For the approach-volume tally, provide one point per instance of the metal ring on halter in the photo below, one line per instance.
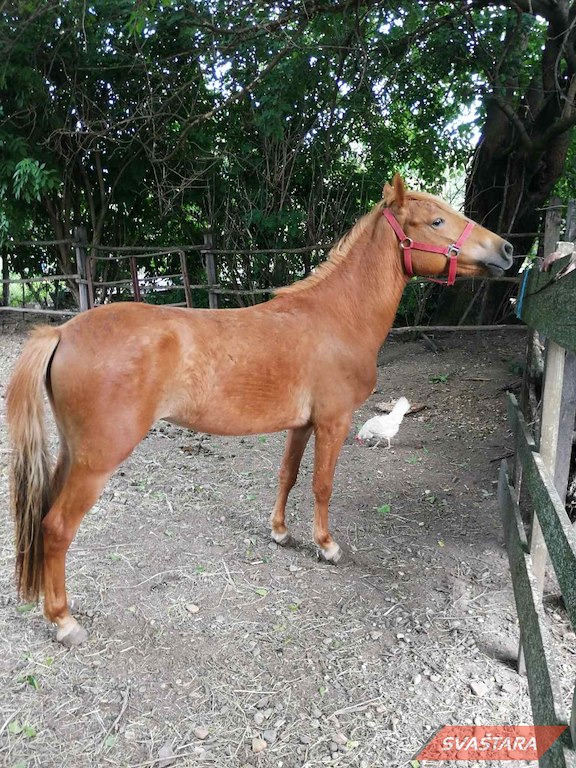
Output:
(453, 250)
(407, 242)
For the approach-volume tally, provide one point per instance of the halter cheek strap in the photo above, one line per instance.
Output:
(407, 244)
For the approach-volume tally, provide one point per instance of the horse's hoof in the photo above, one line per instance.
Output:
(71, 634)
(281, 538)
(332, 553)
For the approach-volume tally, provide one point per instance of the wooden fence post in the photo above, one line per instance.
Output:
(552, 404)
(135, 281)
(185, 279)
(558, 406)
(566, 424)
(571, 221)
(81, 242)
(211, 269)
(538, 549)
(5, 277)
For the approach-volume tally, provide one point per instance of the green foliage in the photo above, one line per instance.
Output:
(31, 178)
(26, 607)
(273, 125)
(31, 680)
(20, 728)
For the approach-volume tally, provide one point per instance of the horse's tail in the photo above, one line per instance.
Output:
(30, 465)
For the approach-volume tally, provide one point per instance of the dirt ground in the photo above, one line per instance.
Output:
(210, 645)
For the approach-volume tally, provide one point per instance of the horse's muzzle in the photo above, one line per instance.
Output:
(507, 250)
(502, 261)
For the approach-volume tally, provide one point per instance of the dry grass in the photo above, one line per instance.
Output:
(197, 621)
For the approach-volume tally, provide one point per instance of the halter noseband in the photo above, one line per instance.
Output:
(407, 244)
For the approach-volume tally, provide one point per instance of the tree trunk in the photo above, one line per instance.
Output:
(525, 138)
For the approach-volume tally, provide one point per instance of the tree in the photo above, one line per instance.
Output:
(89, 108)
(275, 125)
(529, 112)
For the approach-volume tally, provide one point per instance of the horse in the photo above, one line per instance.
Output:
(302, 362)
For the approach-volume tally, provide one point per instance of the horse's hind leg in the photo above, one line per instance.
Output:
(80, 489)
(61, 470)
(295, 445)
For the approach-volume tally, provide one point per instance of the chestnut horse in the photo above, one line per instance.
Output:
(303, 361)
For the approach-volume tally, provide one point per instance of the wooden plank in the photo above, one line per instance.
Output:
(569, 756)
(555, 524)
(186, 279)
(545, 694)
(556, 527)
(519, 428)
(41, 279)
(551, 404)
(516, 419)
(529, 360)
(566, 426)
(549, 305)
(135, 279)
(5, 276)
(552, 225)
(525, 447)
(570, 233)
(454, 328)
(518, 422)
(65, 313)
(520, 431)
(83, 267)
(561, 540)
(573, 719)
(211, 270)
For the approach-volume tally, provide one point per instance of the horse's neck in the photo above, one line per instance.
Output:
(366, 288)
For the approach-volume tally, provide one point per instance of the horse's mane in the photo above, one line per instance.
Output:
(345, 245)
(338, 253)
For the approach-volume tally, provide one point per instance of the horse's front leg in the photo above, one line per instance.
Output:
(329, 439)
(296, 442)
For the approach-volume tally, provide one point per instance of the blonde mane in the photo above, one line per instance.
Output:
(338, 253)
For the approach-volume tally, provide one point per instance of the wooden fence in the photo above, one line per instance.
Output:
(87, 284)
(532, 494)
(88, 258)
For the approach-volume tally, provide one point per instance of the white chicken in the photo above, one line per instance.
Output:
(386, 426)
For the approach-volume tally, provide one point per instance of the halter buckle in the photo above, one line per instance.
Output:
(407, 242)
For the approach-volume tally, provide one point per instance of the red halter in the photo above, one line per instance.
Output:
(407, 244)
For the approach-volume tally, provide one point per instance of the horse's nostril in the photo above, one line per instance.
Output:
(507, 249)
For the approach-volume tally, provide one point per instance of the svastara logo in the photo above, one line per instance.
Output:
(491, 742)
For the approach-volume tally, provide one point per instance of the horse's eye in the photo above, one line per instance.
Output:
(437, 222)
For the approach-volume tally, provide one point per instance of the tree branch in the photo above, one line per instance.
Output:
(543, 8)
(508, 110)
(565, 122)
(274, 61)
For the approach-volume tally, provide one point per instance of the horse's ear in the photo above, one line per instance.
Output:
(388, 194)
(399, 190)
(395, 193)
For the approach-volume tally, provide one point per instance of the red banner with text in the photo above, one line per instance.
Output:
(491, 742)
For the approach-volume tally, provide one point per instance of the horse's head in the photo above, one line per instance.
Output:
(437, 240)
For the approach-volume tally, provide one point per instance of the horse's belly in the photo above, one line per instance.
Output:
(244, 413)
